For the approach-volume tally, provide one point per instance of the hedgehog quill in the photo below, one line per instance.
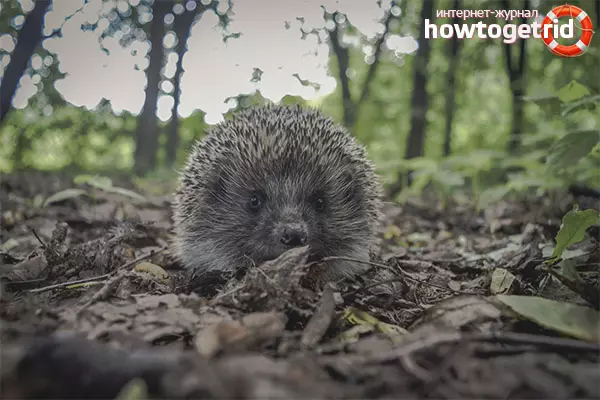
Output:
(273, 178)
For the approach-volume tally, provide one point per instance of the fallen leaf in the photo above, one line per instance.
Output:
(250, 332)
(125, 192)
(321, 320)
(64, 195)
(359, 317)
(567, 318)
(153, 270)
(502, 280)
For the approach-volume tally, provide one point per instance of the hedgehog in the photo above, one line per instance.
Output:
(272, 178)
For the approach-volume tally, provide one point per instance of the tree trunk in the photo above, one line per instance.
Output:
(28, 39)
(343, 61)
(516, 76)
(183, 25)
(351, 108)
(597, 12)
(451, 79)
(146, 138)
(420, 99)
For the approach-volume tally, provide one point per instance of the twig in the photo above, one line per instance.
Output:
(38, 238)
(376, 55)
(404, 273)
(221, 295)
(141, 258)
(500, 337)
(99, 277)
(65, 284)
(104, 292)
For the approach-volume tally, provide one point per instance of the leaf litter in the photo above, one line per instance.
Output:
(460, 304)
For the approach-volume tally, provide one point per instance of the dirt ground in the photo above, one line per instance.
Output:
(92, 305)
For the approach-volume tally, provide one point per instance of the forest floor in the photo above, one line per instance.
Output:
(92, 305)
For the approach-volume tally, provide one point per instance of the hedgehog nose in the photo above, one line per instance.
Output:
(293, 235)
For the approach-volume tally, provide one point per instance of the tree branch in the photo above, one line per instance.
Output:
(28, 39)
(378, 48)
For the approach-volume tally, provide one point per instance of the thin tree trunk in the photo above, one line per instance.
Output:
(451, 79)
(183, 25)
(516, 78)
(146, 139)
(343, 61)
(351, 108)
(420, 98)
(597, 12)
(28, 39)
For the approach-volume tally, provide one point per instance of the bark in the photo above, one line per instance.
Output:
(376, 55)
(516, 76)
(183, 25)
(453, 58)
(597, 12)
(420, 98)
(146, 140)
(343, 60)
(28, 39)
(351, 107)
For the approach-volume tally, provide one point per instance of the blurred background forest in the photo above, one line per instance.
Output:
(123, 87)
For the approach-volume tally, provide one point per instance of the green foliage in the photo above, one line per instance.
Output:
(551, 158)
(570, 319)
(572, 91)
(571, 148)
(573, 227)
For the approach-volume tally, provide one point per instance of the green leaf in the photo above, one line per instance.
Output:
(135, 389)
(64, 195)
(573, 227)
(492, 195)
(100, 182)
(567, 318)
(571, 148)
(587, 101)
(359, 317)
(572, 91)
(124, 192)
(81, 179)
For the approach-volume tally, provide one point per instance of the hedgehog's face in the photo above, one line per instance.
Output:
(285, 205)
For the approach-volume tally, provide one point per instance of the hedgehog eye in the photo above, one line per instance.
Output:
(255, 202)
(319, 203)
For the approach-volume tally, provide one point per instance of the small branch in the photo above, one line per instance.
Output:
(65, 284)
(497, 337)
(38, 238)
(378, 48)
(99, 277)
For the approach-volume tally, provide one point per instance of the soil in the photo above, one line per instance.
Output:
(94, 306)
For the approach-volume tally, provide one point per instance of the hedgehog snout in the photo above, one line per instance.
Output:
(292, 234)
